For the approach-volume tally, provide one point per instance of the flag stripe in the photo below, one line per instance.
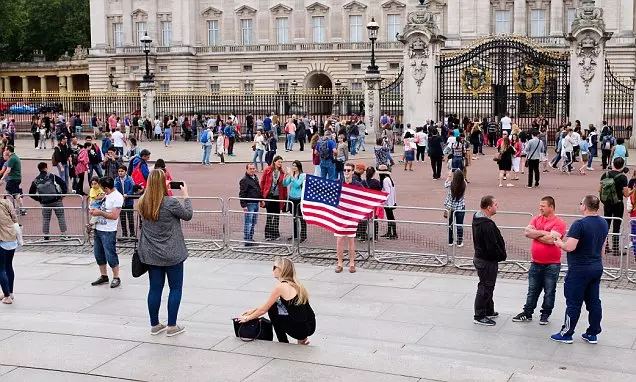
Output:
(338, 214)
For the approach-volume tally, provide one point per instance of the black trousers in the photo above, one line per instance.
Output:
(392, 227)
(487, 272)
(614, 211)
(605, 158)
(299, 216)
(436, 165)
(421, 150)
(284, 325)
(533, 171)
(273, 218)
(36, 138)
(230, 145)
(127, 215)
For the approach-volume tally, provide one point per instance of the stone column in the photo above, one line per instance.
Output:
(43, 84)
(62, 80)
(626, 26)
(484, 12)
(421, 44)
(520, 19)
(2, 84)
(372, 103)
(25, 84)
(147, 92)
(69, 84)
(556, 18)
(587, 64)
(127, 23)
(452, 7)
(7, 84)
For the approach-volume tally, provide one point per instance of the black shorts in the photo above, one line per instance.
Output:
(13, 187)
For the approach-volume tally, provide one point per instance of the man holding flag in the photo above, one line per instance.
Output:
(338, 206)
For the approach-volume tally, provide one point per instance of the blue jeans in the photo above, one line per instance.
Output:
(6, 271)
(275, 131)
(632, 224)
(459, 217)
(327, 169)
(590, 157)
(94, 167)
(78, 132)
(167, 137)
(63, 172)
(291, 139)
(105, 248)
(457, 163)
(258, 157)
(354, 144)
(249, 223)
(582, 285)
(542, 277)
(360, 143)
(157, 276)
(206, 154)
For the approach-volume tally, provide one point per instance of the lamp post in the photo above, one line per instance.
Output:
(338, 84)
(146, 41)
(373, 28)
(294, 85)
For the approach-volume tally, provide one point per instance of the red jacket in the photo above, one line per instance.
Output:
(266, 184)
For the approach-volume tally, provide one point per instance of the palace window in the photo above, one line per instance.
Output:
(118, 34)
(538, 25)
(140, 30)
(247, 31)
(213, 32)
(318, 28)
(282, 30)
(166, 33)
(502, 22)
(571, 15)
(355, 28)
(393, 27)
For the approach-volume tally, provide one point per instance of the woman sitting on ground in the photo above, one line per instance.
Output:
(288, 306)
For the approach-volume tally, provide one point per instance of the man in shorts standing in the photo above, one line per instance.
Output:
(13, 178)
(350, 239)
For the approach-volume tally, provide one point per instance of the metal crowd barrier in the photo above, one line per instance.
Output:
(613, 262)
(321, 244)
(70, 221)
(271, 233)
(420, 241)
(630, 263)
(517, 245)
(205, 232)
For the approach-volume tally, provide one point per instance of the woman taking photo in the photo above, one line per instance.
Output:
(389, 205)
(273, 190)
(295, 178)
(506, 152)
(162, 248)
(454, 202)
(288, 306)
(8, 245)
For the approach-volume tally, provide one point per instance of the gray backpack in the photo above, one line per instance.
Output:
(46, 186)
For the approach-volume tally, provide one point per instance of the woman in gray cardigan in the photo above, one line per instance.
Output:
(162, 248)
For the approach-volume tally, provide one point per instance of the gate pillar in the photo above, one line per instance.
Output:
(372, 103)
(147, 92)
(587, 64)
(422, 43)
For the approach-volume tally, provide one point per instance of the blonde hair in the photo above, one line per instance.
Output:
(150, 203)
(288, 274)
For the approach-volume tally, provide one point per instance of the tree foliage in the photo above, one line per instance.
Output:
(52, 26)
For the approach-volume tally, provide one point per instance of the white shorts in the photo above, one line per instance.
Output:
(516, 161)
(339, 235)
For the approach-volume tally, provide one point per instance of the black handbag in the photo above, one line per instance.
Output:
(138, 268)
(258, 329)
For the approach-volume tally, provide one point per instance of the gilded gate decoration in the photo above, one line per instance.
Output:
(475, 80)
(529, 79)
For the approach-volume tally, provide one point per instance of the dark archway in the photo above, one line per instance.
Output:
(318, 94)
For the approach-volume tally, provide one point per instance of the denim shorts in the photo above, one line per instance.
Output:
(13, 187)
(105, 249)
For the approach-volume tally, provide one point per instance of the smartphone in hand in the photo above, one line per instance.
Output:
(176, 185)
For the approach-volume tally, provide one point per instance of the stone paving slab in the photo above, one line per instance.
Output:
(375, 325)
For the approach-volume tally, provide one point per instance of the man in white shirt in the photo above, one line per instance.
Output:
(105, 241)
(576, 141)
(506, 124)
(119, 141)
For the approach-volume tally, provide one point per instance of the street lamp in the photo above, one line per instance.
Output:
(146, 41)
(111, 81)
(373, 28)
(294, 85)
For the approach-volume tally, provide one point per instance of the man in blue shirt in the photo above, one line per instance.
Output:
(585, 246)
(267, 124)
(326, 149)
(125, 185)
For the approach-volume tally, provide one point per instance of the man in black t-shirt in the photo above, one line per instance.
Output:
(615, 210)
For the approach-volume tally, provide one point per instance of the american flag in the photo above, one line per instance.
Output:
(336, 206)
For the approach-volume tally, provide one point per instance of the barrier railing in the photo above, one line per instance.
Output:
(258, 231)
(517, 245)
(70, 220)
(321, 244)
(630, 263)
(414, 238)
(613, 261)
(205, 232)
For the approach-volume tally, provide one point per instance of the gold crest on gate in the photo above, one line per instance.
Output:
(529, 79)
(475, 80)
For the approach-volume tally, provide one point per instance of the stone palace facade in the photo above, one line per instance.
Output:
(267, 44)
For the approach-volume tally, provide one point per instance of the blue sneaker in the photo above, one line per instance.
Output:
(561, 338)
(590, 338)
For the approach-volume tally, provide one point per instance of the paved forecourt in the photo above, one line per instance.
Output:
(371, 326)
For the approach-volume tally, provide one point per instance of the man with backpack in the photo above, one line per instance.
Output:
(207, 136)
(94, 158)
(612, 190)
(61, 157)
(607, 142)
(326, 149)
(230, 133)
(47, 189)
(138, 168)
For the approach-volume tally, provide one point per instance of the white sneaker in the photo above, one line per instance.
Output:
(460, 245)
(590, 169)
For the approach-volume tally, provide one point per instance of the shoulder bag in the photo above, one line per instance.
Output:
(138, 268)
(531, 155)
(258, 329)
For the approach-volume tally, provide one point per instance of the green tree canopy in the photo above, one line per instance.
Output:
(52, 26)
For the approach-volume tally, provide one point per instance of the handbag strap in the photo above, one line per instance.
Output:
(260, 327)
(536, 148)
(137, 234)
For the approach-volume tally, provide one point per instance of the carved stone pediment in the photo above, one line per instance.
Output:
(588, 16)
(393, 5)
(281, 9)
(355, 6)
(245, 10)
(502, 5)
(211, 12)
(139, 12)
(317, 8)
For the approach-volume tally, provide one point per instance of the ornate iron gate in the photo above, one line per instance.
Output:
(618, 104)
(505, 74)
(391, 97)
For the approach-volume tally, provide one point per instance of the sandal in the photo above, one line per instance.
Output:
(338, 269)
(352, 269)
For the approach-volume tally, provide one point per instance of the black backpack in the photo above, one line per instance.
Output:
(47, 186)
(93, 155)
